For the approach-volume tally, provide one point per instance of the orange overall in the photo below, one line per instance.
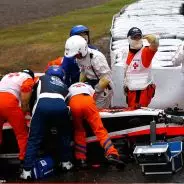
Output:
(141, 98)
(57, 61)
(10, 111)
(87, 110)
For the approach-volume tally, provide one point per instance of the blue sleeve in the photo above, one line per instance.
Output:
(65, 66)
(92, 47)
(71, 69)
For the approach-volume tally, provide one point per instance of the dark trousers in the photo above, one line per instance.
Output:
(49, 111)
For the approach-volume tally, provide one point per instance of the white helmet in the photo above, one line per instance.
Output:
(76, 45)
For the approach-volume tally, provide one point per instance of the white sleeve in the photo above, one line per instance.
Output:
(179, 56)
(101, 66)
(91, 90)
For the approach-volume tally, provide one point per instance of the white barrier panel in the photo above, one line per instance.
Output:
(163, 57)
(152, 17)
(169, 91)
(119, 98)
(169, 82)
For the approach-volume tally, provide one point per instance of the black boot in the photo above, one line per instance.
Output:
(80, 163)
(114, 159)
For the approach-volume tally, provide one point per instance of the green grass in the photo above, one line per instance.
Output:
(34, 44)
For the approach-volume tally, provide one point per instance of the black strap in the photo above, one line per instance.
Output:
(91, 56)
(138, 95)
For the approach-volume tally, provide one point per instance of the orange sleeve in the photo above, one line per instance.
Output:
(27, 85)
(130, 58)
(147, 56)
(36, 79)
(57, 61)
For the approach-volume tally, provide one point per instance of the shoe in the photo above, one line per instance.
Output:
(2, 180)
(114, 159)
(25, 175)
(81, 163)
(66, 166)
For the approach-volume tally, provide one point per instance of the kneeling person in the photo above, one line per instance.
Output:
(49, 108)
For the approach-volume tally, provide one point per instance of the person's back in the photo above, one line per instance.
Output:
(48, 86)
(49, 110)
(52, 84)
(15, 92)
(13, 82)
(81, 88)
(83, 107)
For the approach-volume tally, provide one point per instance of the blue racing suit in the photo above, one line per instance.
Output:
(49, 110)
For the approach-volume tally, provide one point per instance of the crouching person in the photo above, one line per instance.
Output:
(49, 108)
(83, 107)
(15, 93)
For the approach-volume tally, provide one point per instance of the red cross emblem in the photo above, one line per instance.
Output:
(135, 65)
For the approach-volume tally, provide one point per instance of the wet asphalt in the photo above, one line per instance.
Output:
(97, 174)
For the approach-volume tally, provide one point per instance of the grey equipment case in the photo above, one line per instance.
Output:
(160, 157)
